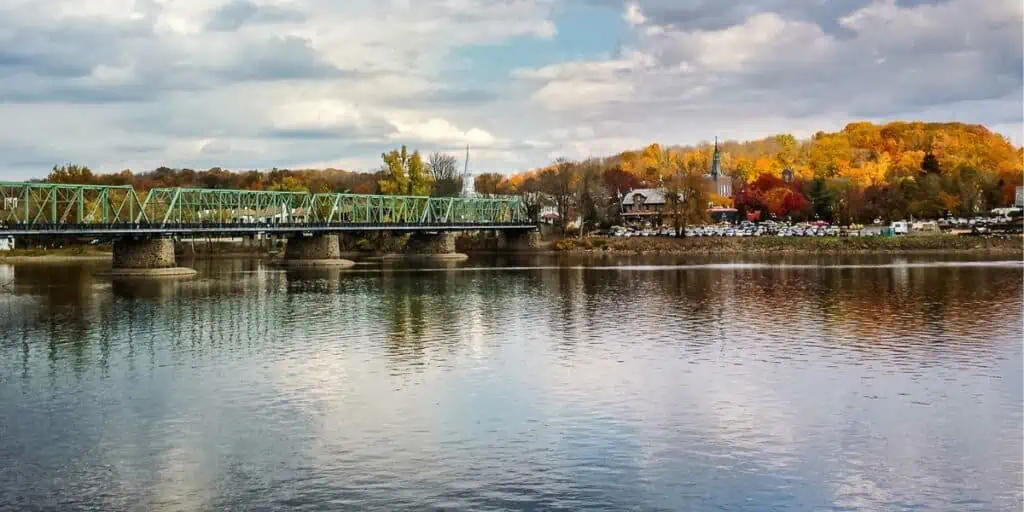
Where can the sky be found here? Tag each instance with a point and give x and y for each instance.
(255, 84)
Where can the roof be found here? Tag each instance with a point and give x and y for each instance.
(651, 196)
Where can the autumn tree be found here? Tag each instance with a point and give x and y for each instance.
(686, 197)
(289, 184)
(559, 182)
(405, 174)
(71, 174)
(491, 184)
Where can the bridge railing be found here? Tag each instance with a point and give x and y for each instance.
(39, 204)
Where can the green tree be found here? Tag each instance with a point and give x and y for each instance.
(821, 199)
(405, 174)
(787, 150)
(930, 164)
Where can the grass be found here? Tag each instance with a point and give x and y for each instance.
(63, 254)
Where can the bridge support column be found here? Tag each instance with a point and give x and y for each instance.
(431, 246)
(314, 251)
(146, 257)
(519, 240)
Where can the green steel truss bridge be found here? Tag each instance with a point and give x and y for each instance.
(50, 209)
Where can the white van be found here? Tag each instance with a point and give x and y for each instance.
(900, 228)
(6, 243)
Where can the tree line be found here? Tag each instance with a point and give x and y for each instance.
(863, 172)
(401, 173)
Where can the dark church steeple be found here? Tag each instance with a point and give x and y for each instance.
(716, 163)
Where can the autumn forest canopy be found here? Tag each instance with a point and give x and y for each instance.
(862, 172)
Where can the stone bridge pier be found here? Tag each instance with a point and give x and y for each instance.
(431, 246)
(519, 240)
(315, 251)
(146, 257)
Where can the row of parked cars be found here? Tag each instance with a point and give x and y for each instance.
(960, 222)
(769, 228)
(784, 229)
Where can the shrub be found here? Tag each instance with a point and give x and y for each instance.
(565, 244)
(364, 245)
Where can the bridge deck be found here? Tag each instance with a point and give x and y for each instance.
(119, 230)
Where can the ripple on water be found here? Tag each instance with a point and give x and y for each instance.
(850, 386)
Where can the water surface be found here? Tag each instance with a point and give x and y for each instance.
(805, 383)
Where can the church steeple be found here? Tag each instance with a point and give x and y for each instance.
(716, 163)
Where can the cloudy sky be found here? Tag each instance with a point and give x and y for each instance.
(261, 83)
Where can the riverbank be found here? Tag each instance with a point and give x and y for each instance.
(1010, 245)
(63, 255)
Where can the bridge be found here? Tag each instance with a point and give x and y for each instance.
(121, 214)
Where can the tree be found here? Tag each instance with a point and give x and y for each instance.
(491, 184)
(529, 191)
(404, 174)
(787, 150)
(559, 182)
(596, 204)
(618, 181)
(821, 199)
(930, 164)
(71, 174)
(445, 173)
(289, 184)
(687, 197)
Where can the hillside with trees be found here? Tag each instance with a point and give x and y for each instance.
(864, 172)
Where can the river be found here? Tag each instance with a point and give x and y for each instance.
(538, 383)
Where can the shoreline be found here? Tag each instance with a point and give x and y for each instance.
(55, 256)
(923, 244)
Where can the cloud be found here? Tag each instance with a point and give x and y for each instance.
(281, 82)
(442, 132)
(633, 15)
(889, 59)
(237, 13)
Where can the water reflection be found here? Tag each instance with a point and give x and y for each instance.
(866, 383)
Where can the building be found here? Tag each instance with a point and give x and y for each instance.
(718, 182)
(1019, 202)
(643, 205)
(647, 205)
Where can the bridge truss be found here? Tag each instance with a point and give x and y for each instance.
(42, 208)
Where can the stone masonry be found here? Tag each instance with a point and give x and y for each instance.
(425, 243)
(321, 247)
(147, 253)
(519, 240)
